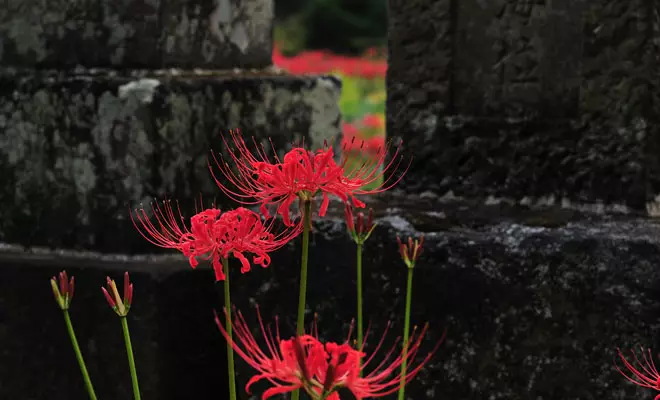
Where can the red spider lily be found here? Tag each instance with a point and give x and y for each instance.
(320, 369)
(648, 377)
(301, 174)
(213, 235)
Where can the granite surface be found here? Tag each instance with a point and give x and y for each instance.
(529, 101)
(136, 33)
(78, 151)
(534, 302)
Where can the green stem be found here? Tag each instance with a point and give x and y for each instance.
(307, 221)
(79, 357)
(228, 328)
(360, 332)
(406, 329)
(131, 360)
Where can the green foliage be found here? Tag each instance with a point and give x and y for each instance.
(361, 97)
(343, 26)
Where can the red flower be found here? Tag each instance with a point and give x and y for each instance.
(301, 174)
(213, 235)
(373, 121)
(648, 377)
(321, 369)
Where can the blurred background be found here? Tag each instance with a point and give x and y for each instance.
(346, 38)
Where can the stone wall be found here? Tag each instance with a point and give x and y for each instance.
(78, 150)
(136, 33)
(534, 305)
(534, 102)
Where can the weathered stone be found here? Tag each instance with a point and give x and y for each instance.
(534, 303)
(76, 151)
(217, 34)
(529, 101)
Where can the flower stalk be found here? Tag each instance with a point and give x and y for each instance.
(131, 359)
(228, 327)
(410, 253)
(121, 307)
(359, 234)
(302, 297)
(63, 294)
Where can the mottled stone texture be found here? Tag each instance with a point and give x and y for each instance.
(534, 304)
(530, 101)
(136, 33)
(77, 151)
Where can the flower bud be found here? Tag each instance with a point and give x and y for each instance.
(62, 289)
(113, 298)
(411, 250)
(350, 224)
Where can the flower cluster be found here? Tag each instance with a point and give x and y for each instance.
(247, 175)
(323, 62)
(322, 368)
(214, 235)
(300, 175)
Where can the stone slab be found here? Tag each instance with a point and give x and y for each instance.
(534, 303)
(529, 101)
(77, 151)
(171, 325)
(217, 34)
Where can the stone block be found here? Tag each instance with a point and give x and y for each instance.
(535, 303)
(211, 34)
(171, 325)
(77, 151)
(532, 102)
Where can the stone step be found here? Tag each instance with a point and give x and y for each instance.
(532, 102)
(534, 303)
(77, 150)
(136, 33)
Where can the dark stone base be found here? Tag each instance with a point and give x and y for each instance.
(77, 151)
(175, 342)
(535, 303)
(547, 162)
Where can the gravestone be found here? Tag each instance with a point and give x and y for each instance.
(529, 101)
(534, 126)
(83, 128)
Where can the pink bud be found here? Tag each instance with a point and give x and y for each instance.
(127, 283)
(71, 287)
(348, 213)
(63, 283)
(108, 298)
(360, 223)
(129, 299)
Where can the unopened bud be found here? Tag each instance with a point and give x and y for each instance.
(350, 224)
